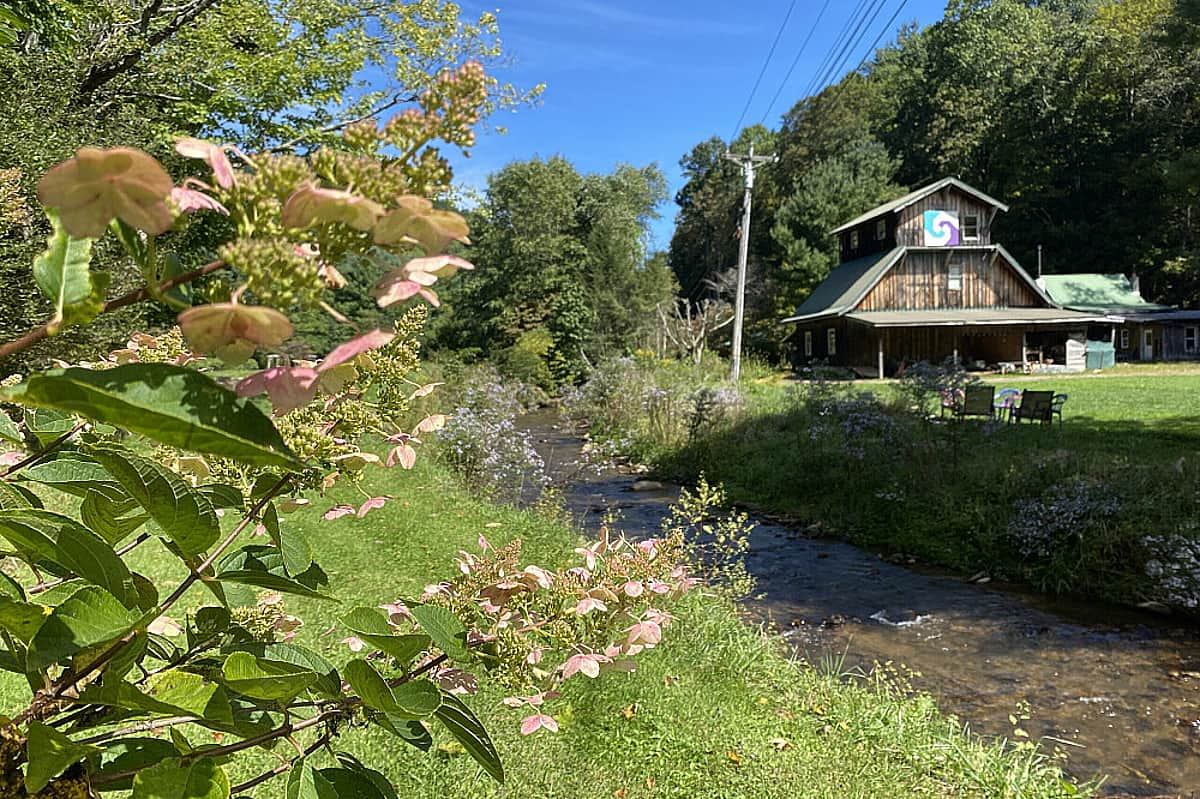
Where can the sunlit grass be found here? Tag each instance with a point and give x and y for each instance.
(716, 711)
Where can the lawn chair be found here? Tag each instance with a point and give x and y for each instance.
(1006, 400)
(977, 401)
(1035, 406)
(1056, 407)
(952, 400)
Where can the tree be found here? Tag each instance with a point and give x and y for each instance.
(261, 73)
(567, 256)
(832, 191)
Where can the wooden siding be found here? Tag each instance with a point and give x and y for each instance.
(910, 228)
(868, 244)
(920, 281)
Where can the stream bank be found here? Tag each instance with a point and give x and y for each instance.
(1117, 690)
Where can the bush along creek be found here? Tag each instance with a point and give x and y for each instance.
(1103, 509)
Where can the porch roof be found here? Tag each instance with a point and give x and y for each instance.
(968, 317)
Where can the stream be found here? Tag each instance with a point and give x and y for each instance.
(1116, 689)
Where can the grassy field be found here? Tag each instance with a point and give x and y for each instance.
(1088, 509)
(716, 711)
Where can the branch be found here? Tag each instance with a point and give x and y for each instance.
(43, 452)
(233, 748)
(286, 766)
(395, 100)
(140, 295)
(102, 73)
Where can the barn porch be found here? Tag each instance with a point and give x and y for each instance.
(884, 341)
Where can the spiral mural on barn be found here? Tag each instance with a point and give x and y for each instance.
(941, 229)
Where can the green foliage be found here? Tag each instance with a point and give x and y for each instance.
(566, 255)
(1023, 503)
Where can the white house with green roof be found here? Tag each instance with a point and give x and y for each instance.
(1142, 331)
(921, 279)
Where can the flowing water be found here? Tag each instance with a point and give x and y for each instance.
(1119, 691)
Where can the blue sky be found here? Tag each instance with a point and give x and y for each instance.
(643, 82)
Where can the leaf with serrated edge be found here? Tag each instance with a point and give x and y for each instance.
(50, 754)
(21, 619)
(447, 632)
(271, 582)
(88, 617)
(172, 779)
(9, 431)
(62, 272)
(62, 540)
(469, 731)
(370, 625)
(170, 404)
(183, 513)
(305, 782)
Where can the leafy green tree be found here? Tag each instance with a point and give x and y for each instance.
(566, 254)
(832, 191)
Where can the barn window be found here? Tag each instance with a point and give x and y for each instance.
(854, 239)
(881, 230)
(831, 342)
(807, 343)
(954, 283)
(970, 227)
(1189, 339)
(1124, 338)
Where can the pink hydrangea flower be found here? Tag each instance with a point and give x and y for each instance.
(587, 663)
(538, 721)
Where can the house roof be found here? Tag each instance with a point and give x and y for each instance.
(900, 203)
(847, 284)
(1096, 292)
(961, 317)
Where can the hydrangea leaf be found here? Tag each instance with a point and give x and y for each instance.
(170, 404)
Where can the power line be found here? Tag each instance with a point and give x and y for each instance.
(763, 71)
(870, 51)
(795, 61)
(886, 28)
(837, 43)
(855, 38)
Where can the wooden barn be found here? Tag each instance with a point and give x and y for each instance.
(920, 279)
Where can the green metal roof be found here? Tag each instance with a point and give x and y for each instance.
(1097, 293)
(846, 285)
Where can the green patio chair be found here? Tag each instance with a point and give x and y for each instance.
(1035, 406)
(1056, 407)
(978, 401)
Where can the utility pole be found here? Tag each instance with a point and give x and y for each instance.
(747, 163)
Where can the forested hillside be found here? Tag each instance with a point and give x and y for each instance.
(1084, 116)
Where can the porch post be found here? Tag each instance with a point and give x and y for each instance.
(879, 337)
(1024, 361)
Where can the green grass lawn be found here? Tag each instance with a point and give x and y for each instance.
(961, 494)
(716, 711)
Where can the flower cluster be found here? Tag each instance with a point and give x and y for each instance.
(483, 445)
(1042, 525)
(855, 421)
(549, 626)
